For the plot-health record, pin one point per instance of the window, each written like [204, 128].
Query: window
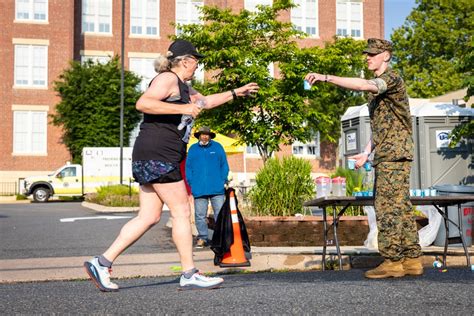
[144, 68]
[349, 19]
[308, 149]
[187, 12]
[31, 10]
[251, 150]
[97, 16]
[68, 172]
[144, 17]
[305, 17]
[29, 132]
[31, 65]
[251, 5]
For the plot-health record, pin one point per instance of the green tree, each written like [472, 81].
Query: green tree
[239, 48]
[342, 57]
[465, 130]
[435, 38]
[89, 110]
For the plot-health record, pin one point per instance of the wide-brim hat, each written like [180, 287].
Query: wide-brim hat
[182, 48]
[204, 130]
[377, 46]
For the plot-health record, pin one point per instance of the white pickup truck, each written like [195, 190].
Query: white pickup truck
[101, 167]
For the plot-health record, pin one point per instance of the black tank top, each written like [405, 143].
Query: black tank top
[159, 137]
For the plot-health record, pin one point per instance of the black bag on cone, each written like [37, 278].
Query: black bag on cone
[223, 236]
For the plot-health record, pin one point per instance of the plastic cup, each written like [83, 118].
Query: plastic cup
[426, 192]
[306, 85]
[351, 163]
[433, 192]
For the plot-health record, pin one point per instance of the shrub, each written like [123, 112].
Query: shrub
[115, 195]
[21, 197]
[281, 187]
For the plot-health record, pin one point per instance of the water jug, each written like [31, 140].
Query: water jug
[339, 186]
[323, 186]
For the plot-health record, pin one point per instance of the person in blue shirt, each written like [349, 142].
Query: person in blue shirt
[206, 172]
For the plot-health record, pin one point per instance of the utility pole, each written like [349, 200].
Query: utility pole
[122, 59]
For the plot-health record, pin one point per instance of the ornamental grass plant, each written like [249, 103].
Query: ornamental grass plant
[282, 186]
[115, 195]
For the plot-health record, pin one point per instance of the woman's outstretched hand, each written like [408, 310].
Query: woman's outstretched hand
[248, 89]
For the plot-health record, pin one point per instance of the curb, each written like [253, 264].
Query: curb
[264, 259]
[109, 209]
[12, 200]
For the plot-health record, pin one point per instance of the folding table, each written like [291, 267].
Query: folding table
[441, 204]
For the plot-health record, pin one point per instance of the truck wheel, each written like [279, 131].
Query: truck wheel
[41, 194]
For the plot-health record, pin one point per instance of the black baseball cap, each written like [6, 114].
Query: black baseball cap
[181, 48]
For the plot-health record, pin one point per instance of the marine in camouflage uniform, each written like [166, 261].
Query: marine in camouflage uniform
[392, 140]
[393, 145]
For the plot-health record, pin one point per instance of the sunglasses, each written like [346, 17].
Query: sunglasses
[194, 58]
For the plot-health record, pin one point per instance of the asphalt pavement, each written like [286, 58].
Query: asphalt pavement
[281, 293]
[282, 280]
[44, 242]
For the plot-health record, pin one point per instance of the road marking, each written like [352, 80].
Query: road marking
[73, 219]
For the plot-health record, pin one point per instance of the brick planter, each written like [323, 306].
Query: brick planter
[271, 231]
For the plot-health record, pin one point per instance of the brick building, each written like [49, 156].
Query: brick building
[40, 37]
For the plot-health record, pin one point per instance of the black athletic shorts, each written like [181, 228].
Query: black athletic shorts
[155, 171]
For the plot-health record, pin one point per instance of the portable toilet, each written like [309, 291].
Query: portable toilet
[355, 130]
[356, 133]
[435, 163]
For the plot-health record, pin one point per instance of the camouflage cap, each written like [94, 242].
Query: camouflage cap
[377, 46]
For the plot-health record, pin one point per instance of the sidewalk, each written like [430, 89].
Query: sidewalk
[165, 264]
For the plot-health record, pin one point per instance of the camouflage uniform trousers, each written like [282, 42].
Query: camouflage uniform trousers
[398, 235]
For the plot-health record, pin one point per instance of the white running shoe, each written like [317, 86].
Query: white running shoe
[199, 281]
[100, 275]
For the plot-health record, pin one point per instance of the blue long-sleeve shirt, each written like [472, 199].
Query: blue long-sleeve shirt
[206, 169]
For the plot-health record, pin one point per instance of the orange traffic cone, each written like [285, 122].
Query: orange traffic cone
[236, 256]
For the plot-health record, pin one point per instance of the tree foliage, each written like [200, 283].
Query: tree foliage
[341, 57]
[435, 38]
[239, 47]
[89, 110]
[465, 130]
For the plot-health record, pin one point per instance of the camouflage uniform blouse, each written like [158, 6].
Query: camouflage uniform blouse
[390, 119]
